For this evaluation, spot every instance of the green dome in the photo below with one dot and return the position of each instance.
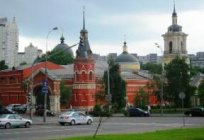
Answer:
(126, 57)
(63, 47)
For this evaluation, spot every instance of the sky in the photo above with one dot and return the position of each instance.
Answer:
(140, 23)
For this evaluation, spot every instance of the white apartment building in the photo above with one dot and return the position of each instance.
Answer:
(30, 54)
(9, 38)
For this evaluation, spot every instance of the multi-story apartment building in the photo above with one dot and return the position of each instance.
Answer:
(30, 54)
(8, 41)
(197, 60)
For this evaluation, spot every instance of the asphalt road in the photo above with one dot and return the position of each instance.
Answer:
(52, 130)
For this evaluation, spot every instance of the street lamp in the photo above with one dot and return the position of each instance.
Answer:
(46, 75)
(162, 80)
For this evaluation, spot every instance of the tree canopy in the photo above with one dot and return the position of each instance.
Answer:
(3, 66)
(201, 92)
(117, 86)
(65, 94)
(58, 57)
(178, 78)
(153, 68)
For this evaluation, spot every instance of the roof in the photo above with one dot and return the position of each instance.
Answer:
(63, 47)
(126, 57)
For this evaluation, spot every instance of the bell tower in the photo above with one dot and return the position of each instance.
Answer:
(84, 82)
(174, 41)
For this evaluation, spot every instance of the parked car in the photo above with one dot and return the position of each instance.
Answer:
(137, 112)
(4, 110)
(40, 112)
(73, 117)
(20, 108)
(195, 111)
(11, 106)
(14, 120)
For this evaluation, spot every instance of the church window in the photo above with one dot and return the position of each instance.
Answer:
(12, 79)
(170, 47)
(182, 49)
(83, 75)
(76, 76)
(90, 76)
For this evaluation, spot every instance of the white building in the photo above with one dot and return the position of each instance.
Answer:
(175, 41)
(30, 54)
(9, 41)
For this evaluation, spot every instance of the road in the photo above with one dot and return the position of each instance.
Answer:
(52, 129)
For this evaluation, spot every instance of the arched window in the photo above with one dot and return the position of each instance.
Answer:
(83, 76)
(90, 76)
(170, 47)
(182, 49)
(76, 76)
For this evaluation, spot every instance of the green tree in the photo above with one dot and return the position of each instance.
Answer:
(58, 57)
(141, 98)
(117, 86)
(201, 92)
(178, 78)
(153, 68)
(3, 66)
(65, 94)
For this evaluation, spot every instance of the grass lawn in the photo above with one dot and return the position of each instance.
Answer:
(173, 134)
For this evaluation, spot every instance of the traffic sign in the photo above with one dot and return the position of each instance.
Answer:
(182, 95)
(44, 87)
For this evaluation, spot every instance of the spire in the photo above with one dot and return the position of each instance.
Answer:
(125, 47)
(174, 15)
(174, 11)
(62, 39)
(84, 50)
(83, 17)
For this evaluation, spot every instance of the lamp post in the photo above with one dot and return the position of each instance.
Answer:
(46, 76)
(162, 80)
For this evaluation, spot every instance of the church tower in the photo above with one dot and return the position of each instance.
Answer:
(84, 82)
(174, 41)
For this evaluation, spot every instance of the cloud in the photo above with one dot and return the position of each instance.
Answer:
(142, 31)
(38, 42)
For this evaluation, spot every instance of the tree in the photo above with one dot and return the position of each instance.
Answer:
(65, 94)
(3, 66)
(201, 92)
(141, 98)
(178, 78)
(153, 68)
(117, 86)
(58, 57)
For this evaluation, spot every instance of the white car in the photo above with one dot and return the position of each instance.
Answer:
(73, 117)
(14, 120)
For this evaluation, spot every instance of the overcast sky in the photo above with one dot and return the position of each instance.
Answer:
(107, 21)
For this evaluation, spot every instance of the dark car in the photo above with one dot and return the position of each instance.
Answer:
(40, 112)
(195, 111)
(137, 112)
(20, 108)
(4, 110)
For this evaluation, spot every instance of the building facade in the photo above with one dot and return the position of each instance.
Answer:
(9, 38)
(197, 60)
(29, 55)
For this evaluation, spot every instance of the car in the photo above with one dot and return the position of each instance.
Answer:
(40, 112)
(74, 117)
(137, 112)
(12, 106)
(4, 110)
(14, 120)
(194, 111)
(20, 108)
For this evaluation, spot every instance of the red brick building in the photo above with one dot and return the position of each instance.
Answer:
(84, 77)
